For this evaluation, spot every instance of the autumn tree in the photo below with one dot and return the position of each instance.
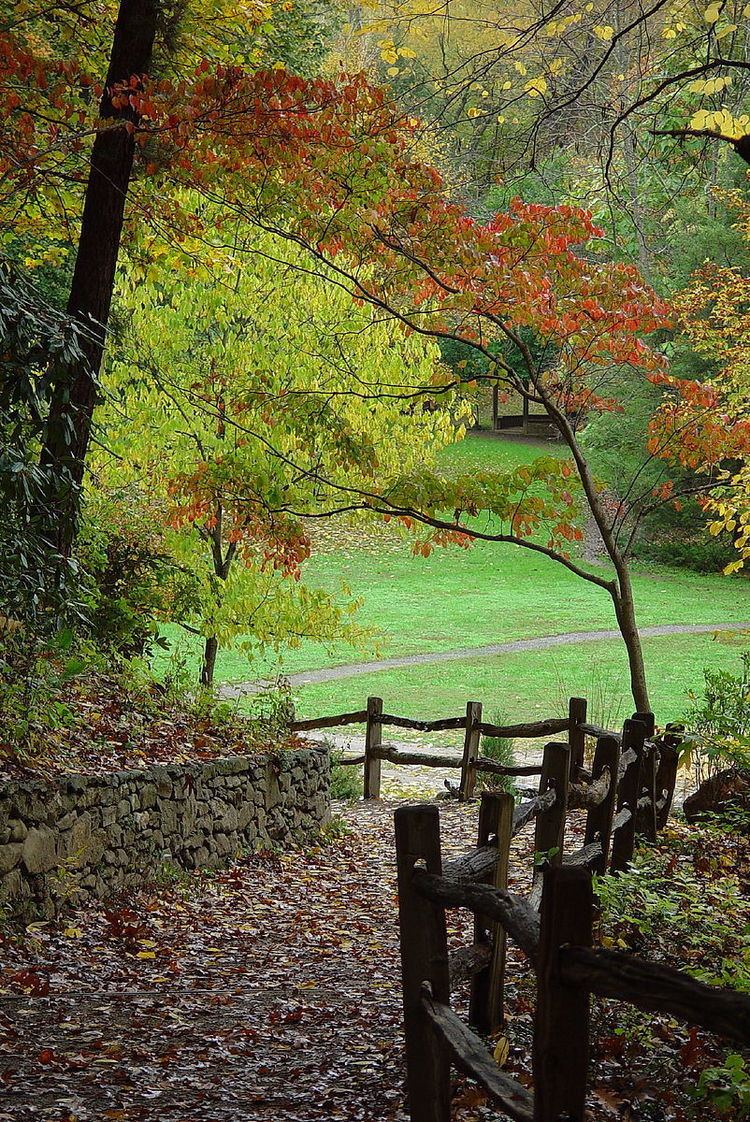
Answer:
(330, 166)
(704, 423)
(333, 166)
(234, 390)
(61, 152)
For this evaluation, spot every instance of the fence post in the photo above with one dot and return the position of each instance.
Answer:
(373, 739)
(550, 823)
(577, 708)
(424, 958)
(495, 828)
(623, 843)
(561, 1023)
(645, 818)
(599, 818)
(471, 751)
(666, 775)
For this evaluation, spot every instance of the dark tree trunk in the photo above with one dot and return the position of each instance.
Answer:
(72, 407)
(210, 651)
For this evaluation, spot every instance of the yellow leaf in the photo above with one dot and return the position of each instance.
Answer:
(520, 68)
(604, 32)
(407, 52)
(146, 954)
(393, 71)
(73, 933)
(472, 111)
(711, 13)
(726, 30)
(501, 1051)
(536, 86)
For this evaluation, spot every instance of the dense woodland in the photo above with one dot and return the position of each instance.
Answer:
(281, 284)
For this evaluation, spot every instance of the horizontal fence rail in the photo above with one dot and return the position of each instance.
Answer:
(628, 789)
(471, 763)
(556, 938)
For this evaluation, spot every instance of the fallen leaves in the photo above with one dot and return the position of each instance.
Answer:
(270, 992)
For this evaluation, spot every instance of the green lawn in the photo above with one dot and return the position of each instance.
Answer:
(532, 684)
(488, 594)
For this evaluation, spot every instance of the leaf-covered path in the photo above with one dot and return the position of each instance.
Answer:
(266, 992)
(270, 992)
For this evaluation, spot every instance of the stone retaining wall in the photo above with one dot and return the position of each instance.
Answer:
(93, 836)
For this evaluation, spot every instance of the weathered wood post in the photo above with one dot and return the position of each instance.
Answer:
(561, 1023)
(550, 823)
(495, 828)
(623, 842)
(645, 818)
(599, 818)
(666, 774)
(424, 958)
(471, 751)
(577, 708)
(373, 739)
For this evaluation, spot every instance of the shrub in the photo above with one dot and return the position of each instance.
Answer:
(346, 782)
(500, 749)
(718, 722)
(684, 904)
(133, 582)
(36, 676)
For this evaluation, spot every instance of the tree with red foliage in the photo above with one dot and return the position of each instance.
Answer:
(331, 166)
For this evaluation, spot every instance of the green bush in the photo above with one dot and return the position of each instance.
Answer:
(132, 581)
(346, 782)
(684, 904)
(718, 722)
(501, 750)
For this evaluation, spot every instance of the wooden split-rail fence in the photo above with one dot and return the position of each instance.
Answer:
(646, 769)
(555, 935)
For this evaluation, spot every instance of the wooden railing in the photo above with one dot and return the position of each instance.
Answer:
(557, 939)
(644, 793)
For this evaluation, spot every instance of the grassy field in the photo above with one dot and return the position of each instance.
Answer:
(489, 594)
(532, 684)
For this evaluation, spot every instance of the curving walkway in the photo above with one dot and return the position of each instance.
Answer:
(513, 646)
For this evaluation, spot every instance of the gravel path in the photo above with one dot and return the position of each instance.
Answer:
(513, 646)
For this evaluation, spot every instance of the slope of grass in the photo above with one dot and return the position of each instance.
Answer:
(487, 594)
(532, 684)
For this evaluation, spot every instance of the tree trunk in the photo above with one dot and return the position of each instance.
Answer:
(625, 612)
(210, 651)
(222, 563)
(72, 406)
(621, 589)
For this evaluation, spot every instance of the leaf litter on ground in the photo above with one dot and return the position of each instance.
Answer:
(268, 991)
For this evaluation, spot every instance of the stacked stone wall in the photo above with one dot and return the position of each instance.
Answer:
(95, 836)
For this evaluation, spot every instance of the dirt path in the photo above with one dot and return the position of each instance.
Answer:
(268, 992)
(513, 646)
